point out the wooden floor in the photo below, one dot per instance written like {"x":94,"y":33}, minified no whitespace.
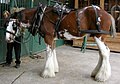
{"x":113,"y":43}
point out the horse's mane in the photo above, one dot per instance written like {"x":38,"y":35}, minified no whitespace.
{"x":13,"y":10}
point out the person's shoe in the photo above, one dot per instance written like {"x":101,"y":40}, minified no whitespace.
{"x":6,"y":65}
{"x":17,"y":66}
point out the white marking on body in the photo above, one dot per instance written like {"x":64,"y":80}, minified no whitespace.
{"x":9,"y":28}
{"x":68,"y":36}
{"x":81,"y":11}
{"x":89,"y":7}
{"x":86,"y":7}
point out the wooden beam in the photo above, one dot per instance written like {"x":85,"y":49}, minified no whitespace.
{"x":88,"y":2}
{"x":76,"y":4}
{"x":102,"y":4}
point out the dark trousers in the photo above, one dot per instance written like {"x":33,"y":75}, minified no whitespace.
{"x":17,"y":49}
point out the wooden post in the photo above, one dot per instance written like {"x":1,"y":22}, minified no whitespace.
{"x":31,"y":3}
{"x":76,"y":4}
{"x":11,"y":4}
{"x":102,"y":4}
{"x":88,"y":2}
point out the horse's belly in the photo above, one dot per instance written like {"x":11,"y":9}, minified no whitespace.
{"x":69,"y":36}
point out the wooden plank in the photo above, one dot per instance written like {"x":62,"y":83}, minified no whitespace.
{"x":112,"y":43}
{"x":102,"y":4}
{"x":76,"y":4}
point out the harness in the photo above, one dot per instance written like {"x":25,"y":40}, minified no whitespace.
{"x":61,"y":10}
{"x":37,"y":21}
{"x":97,"y":31}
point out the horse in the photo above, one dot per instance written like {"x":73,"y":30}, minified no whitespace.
{"x":58,"y":21}
{"x":115,"y":12}
{"x":118,"y":24}
{"x":12,"y":30}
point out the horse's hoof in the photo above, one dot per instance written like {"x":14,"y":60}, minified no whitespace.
{"x":56,"y":70}
{"x":93,"y":74}
{"x":102,"y":77}
{"x":46,"y":74}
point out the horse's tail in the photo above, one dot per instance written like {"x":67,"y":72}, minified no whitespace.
{"x":112,"y":28}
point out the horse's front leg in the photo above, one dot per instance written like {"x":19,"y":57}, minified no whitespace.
{"x":104,"y":71}
{"x":56,"y":67}
{"x":51,"y":65}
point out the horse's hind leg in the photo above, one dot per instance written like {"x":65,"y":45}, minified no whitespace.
{"x":105,"y":70}
{"x":95,"y":71}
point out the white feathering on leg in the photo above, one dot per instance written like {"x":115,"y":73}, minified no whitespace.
{"x":49,"y":66}
{"x":95,"y":71}
{"x":105,"y":70}
{"x":56,"y":67}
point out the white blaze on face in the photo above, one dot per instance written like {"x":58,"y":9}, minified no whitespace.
{"x":9,"y":28}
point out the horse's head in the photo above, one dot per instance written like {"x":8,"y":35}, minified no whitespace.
{"x":12,"y":26}
{"x":12,"y":30}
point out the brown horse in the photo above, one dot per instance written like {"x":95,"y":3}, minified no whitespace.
{"x":115,"y":12}
{"x":118,"y":24}
{"x":58,"y":21}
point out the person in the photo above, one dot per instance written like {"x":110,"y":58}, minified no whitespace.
{"x":17,"y":48}
{"x":16,"y":45}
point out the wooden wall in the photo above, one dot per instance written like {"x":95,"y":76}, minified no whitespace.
{"x":107,"y":4}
